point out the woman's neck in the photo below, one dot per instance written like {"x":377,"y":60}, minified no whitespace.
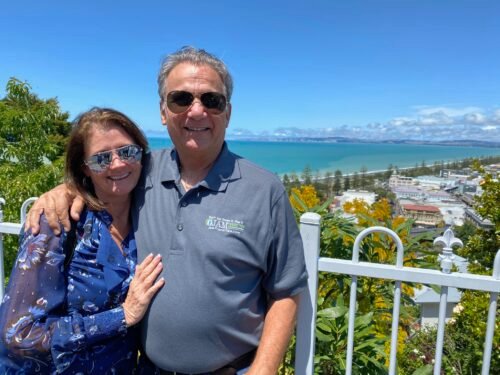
{"x":119,"y":210}
{"x":120,"y":227}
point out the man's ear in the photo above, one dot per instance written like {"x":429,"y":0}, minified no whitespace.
{"x":229,"y":107}
{"x":163,"y":113}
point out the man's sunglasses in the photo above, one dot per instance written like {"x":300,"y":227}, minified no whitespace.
{"x":101,"y":161}
{"x":180,"y":101}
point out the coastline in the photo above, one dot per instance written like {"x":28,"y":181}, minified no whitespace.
{"x":294,"y":157}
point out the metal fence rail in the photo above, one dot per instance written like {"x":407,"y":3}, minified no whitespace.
{"x":10,"y":228}
{"x":310,"y":232}
{"x":306,"y":321}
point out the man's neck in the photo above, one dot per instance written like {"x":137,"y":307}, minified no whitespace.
{"x":194,"y":168}
{"x":193,"y":174}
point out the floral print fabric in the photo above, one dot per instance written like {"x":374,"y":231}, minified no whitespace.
{"x":57,"y":319}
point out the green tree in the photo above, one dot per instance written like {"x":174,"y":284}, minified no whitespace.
{"x":287,"y":183}
{"x":355,"y":180}
{"x":347,"y":183}
{"x":465,"y":334}
{"x":362,"y":177}
{"x":388,"y":173}
{"x":306,"y":175}
{"x":337,"y":182}
{"x":33,"y":134}
{"x":482,"y":247}
{"x":328,"y":183}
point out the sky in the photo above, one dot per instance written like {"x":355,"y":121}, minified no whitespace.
{"x":379,"y":69}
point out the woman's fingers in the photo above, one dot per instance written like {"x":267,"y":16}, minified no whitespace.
{"x":143,"y":288}
{"x":148,"y":266}
{"x":155,"y":288}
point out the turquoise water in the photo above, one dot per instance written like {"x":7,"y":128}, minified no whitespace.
{"x":287,"y":157}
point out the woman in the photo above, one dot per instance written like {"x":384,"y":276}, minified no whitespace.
{"x":74,"y":311}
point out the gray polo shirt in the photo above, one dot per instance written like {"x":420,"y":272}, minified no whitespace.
{"x":228,"y":244}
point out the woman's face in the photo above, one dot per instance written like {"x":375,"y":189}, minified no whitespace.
{"x":120,"y":178}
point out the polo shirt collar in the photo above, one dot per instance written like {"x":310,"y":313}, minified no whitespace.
{"x":224,"y":170}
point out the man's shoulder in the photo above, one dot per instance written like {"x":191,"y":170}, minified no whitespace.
{"x":157,"y":160}
{"x":251,"y":170}
{"x":161,"y":155}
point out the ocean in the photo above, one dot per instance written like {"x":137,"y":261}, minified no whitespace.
{"x":288,"y":157}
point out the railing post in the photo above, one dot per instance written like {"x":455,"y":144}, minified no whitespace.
{"x":397,"y":298}
{"x":490,"y":326}
{"x":24,"y":208}
{"x":306,"y":316}
{"x":446,"y":259}
{"x":2,"y":273}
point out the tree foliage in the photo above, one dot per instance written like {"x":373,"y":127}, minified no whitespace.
{"x":33,"y":134}
{"x":465,"y":333}
{"x":304,"y":198}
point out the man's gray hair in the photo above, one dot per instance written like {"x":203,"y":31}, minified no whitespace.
{"x":197,"y":57}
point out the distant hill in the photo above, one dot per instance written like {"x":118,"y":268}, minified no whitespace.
{"x":459,"y":142}
{"x":274,"y":138}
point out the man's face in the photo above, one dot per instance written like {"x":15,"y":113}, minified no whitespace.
{"x":195,"y":132}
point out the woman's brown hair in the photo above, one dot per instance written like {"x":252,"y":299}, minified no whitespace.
{"x":102,"y":118}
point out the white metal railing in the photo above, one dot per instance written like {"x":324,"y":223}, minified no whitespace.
{"x":10,"y":228}
{"x":310,"y":232}
{"x":306,"y":321}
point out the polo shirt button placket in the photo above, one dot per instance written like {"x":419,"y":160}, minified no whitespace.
{"x":180,"y":227}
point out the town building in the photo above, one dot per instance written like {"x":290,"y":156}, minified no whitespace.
{"x":398,"y":180}
{"x":477,"y":220}
{"x":423,"y":215}
{"x":363,"y":195}
{"x":428,"y":300}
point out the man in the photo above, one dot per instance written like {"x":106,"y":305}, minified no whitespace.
{"x":232,"y":252}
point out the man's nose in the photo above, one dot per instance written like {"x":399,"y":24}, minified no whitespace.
{"x":197,"y":110}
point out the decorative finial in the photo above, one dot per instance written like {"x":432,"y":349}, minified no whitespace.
{"x":447,"y":240}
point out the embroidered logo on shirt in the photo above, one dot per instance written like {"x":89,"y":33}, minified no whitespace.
{"x":224,"y":225}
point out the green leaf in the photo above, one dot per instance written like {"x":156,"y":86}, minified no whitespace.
{"x":425,"y":370}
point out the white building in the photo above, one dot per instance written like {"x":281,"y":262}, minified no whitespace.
{"x":397,"y":180}
{"x":428,"y":300}
{"x":409,"y":192}
{"x":434,"y":182}
{"x":351,"y":195}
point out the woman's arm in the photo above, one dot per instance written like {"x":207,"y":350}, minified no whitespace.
{"x":36,"y":291}
{"x":34,"y":322}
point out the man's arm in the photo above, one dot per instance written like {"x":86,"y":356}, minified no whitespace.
{"x":55,"y":204}
{"x":278,"y":328}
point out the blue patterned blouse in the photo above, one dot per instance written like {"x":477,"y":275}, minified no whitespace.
{"x":68,"y":319}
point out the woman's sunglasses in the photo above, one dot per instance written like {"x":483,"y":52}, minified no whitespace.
{"x":101,"y":161}
{"x":180,"y":101}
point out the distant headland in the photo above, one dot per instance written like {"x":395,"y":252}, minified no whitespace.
{"x":295,"y":139}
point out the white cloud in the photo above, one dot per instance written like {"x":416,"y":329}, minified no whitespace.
{"x":427,"y":123}
{"x":475,"y":118}
{"x":448,"y":111}
{"x":400,"y":121}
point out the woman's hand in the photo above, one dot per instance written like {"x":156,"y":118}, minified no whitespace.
{"x":142,"y":289}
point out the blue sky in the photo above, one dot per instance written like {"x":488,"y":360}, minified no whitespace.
{"x":401,"y":68}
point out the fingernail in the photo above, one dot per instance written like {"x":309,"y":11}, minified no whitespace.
{"x":150,"y":255}
{"x":158,"y":256}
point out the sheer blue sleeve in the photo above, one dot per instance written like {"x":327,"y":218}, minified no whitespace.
{"x":34,"y":322}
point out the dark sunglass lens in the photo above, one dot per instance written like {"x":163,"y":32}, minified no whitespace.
{"x":178,"y":101}
{"x":214,"y":101}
